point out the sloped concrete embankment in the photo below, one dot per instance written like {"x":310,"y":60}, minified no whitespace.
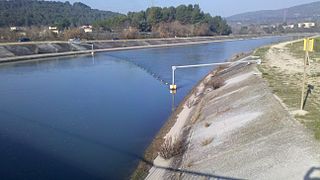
{"x":239,"y":131}
{"x":32,"y":50}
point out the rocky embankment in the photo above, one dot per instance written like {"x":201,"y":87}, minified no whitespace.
{"x":237,"y":131}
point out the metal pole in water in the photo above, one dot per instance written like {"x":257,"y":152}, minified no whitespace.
{"x":173,"y":86}
{"x":173,"y":105}
{"x":173,"y":74}
{"x":92,"y":50}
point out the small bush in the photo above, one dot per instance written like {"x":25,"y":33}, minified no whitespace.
{"x":221,"y":68}
{"x":317,"y":134}
{"x":190,"y":164}
{"x":207,"y":142}
{"x":215,"y":83}
{"x":207,"y":124}
{"x":316,"y":74}
{"x":171,"y":148}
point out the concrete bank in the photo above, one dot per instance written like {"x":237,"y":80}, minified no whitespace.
{"x":10,"y":52}
{"x":238,"y":131}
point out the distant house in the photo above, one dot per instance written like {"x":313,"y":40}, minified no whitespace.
{"x":264,"y":26}
{"x":306,"y":25}
{"x":54,"y":29}
{"x":87,"y":28}
{"x":15,"y":28}
{"x":18,"y":30}
{"x":290,"y":26}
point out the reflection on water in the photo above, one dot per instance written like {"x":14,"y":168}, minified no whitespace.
{"x":92,"y":117}
{"x":173,"y":107}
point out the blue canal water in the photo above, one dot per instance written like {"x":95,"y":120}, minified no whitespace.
{"x":92,"y":118}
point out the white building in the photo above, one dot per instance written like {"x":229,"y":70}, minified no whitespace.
{"x":87,"y":29}
{"x":54,"y":29}
{"x":290,"y":26}
{"x":15,"y":28}
{"x":306,"y":25}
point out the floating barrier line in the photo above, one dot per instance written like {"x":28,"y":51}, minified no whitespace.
{"x":148,"y":71}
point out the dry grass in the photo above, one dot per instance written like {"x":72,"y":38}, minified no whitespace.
{"x":215,"y":83}
{"x":190,"y":164}
{"x":207,"y":124}
{"x":196,"y":115}
{"x":197,"y":112}
{"x":239,"y":56}
{"x":223,"y":110}
{"x":207,"y":142}
{"x":171,"y":148}
{"x":288,"y":87}
{"x":220,"y":68}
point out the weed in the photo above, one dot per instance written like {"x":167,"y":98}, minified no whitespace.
{"x":215,"y":83}
{"x":207,"y":124}
{"x":207,"y":142}
{"x":171,"y":148}
{"x":190,"y":164}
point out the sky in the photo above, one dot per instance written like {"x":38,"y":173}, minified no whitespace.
{"x":223,"y":8}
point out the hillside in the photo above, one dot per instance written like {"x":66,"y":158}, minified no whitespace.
{"x":32,"y":12}
{"x":305,"y":12}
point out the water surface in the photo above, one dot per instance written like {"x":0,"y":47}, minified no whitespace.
{"x":92,"y":118}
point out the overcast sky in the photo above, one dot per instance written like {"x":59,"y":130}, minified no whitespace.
{"x":215,"y":7}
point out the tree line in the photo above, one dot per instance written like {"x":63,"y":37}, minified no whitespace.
{"x":168,"y":21}
{"x":41,"y":13}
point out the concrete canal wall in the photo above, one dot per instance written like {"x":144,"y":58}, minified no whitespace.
{"x":10,"y":52}
{"x":237,"y":131}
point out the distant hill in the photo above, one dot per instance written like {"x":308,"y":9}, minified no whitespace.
{"x":33,"y":12}
{"x":305,"y":12}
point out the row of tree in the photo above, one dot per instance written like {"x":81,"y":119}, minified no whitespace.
{"x":39,"y":13}
{"x":189,"y":18}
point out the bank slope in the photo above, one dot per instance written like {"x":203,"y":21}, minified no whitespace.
{"x":241,"y":131}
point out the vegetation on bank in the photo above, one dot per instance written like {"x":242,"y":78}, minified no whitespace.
{"x":288,"y":87}
{"x":35,"y":20}
{"x":168,"y":22}
{"x":41,"y":13}
{"x":297,"y":49}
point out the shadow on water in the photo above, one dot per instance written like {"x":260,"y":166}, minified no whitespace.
{"x":17,"y":170}
{"x":149,"y":71}
{"x":116,"y":149}
{"x":313,"y":171}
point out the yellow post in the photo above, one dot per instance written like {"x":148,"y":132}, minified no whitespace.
{"x":307,"y":47}
{"x":305,"y":44}
{"x":173,"y":87}
{"x":308,"y":44}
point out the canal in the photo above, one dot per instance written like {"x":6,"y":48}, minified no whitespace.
{"x":92,"y":118}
